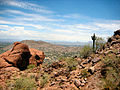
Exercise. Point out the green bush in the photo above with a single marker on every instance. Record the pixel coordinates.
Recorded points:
(71, 63)
(43, 80)
(111, 76)
(100, 42)
(86, 51)
(2, 51)
(84, 73)
(24, 84)
(1, 88)
(31, 66)
(73, 68)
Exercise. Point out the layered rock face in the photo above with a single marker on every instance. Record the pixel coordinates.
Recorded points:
(21, 56)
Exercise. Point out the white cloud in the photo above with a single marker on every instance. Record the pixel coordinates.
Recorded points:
(21, 33)
(108, 26)
(25, 5)
(59, 32)
(56, 34)
(78, 27)
(92, 26)
(4, 27)
(18, 23)
(64, 31)
(28, 16)
(17, 33)
(71, 16)
(38, 26)
(51, 29)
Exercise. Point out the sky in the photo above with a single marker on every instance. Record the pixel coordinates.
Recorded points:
(58, 20)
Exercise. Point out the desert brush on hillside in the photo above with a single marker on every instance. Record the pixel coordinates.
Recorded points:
(97, 71)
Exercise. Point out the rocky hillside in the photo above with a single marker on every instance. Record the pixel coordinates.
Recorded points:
(45, 46)
(51, 51)
(100, 71)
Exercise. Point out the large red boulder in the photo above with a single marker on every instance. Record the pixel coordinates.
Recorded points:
(21, 56)
(4, 64)
(37, 57)
(17, 57)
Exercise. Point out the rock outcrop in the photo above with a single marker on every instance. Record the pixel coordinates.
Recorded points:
(21, 56)
(37, 57)
(17, 57)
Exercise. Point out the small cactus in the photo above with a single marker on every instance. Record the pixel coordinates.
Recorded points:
(93, 38)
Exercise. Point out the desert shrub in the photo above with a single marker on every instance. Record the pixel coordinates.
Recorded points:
(111, 73)
(24, 84)
(1, 88)
(71, 63)
(2, 51)
(73, 68)
(100, 42)
(86, 51)
(43, 80)
(31, 66)
(84, 73)
(61, 58)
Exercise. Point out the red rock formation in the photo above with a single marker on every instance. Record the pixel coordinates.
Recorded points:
(17, 57)
(21, 56)
(37, 57)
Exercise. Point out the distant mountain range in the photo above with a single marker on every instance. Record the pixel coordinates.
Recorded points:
(74, 44)
(46, 46)
(63, 43)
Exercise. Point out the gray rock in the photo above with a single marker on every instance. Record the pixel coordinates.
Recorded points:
(53, 83)
(77, 83)
(82, 84)
(95, 60)
(108, 51)
(85, 79)
(86, 61)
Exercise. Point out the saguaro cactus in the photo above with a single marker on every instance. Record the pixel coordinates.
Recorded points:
(93, 38)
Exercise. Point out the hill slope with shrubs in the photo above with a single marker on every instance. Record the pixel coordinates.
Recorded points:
(96, 71)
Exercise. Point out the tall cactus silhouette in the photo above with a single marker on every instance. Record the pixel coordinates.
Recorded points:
(93, 38)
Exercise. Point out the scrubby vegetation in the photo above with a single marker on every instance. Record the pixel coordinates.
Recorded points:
(2, 45)
(71, 63)
(83, 70)
(86, 51)
(100, 42)
(43, 80)
(23, 83)
(84, 73)
(111, 72)
(31, 66)
(2, 51)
